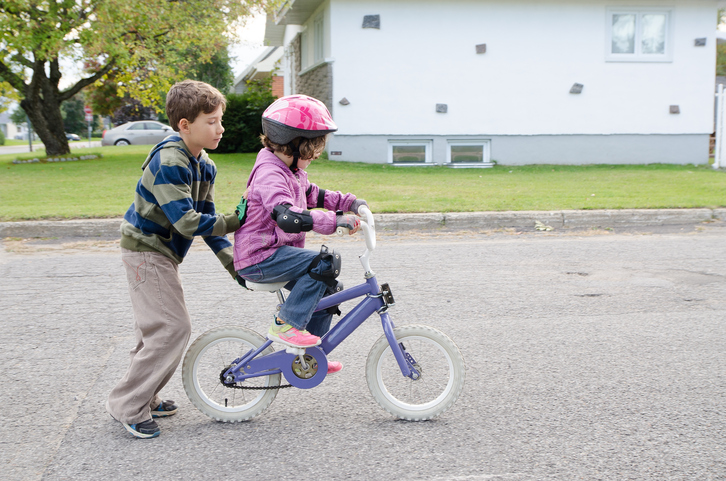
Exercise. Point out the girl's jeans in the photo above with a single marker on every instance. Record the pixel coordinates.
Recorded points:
(291, 264)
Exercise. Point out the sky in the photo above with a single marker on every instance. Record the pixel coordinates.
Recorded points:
(250, 45)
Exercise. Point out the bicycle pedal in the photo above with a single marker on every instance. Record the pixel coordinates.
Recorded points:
(298, 351)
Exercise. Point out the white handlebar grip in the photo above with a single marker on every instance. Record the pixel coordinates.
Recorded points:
(368, 215)
(342, 231)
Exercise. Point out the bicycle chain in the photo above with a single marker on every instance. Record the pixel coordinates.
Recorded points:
(249, 388)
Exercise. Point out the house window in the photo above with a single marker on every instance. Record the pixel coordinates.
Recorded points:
(468, 153)
(409, 152)
(318, 39)
(638, 35)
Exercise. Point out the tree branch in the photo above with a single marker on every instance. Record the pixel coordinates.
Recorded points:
(12, 78)
(86, 81)
(55, 73)
(23, 61)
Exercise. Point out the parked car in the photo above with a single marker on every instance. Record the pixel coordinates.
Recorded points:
(24, 136)
(142, 132)
(72, 137)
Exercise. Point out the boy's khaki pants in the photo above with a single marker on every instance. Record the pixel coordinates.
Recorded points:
(162, 326)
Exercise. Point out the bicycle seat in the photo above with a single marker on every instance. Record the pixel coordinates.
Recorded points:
(268, 286)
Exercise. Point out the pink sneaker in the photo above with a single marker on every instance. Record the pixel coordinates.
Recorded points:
(288, 335)
(334, 366)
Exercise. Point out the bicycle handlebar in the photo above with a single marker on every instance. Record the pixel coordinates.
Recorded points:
(368, 226)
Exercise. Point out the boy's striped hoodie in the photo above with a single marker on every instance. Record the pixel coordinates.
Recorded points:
(174, 202)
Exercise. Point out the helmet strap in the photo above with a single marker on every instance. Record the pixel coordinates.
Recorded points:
(295, 157)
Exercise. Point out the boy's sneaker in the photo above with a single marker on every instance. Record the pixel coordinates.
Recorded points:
(145, 430)
(334, 366)
(288, 335)
(166, 408)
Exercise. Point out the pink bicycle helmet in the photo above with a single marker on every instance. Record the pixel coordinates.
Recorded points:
(296, 116)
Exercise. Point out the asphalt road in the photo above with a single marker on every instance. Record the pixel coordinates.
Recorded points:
(40, 148)
(589, 356)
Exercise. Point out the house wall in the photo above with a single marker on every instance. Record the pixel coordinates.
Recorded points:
(8, 128)
(517, 94)
(318, 83)
(311, 72)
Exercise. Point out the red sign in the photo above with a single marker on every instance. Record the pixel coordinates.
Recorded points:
(87, 109)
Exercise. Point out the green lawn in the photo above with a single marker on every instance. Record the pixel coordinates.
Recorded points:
(104, 187)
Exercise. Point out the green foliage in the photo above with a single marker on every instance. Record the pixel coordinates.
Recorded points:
(216, 71)
(721, 59)
(2, 138)
(243, 118)
(103, 97)
(143, 40)
(18, 117)
(7, 95)
(74, 118)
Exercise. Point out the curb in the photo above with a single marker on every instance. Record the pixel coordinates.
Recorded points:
(392, 223)
(565, 219)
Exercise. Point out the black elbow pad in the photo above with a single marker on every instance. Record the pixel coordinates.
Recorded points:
(290, 221)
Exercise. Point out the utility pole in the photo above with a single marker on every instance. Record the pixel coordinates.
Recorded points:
(30, 133)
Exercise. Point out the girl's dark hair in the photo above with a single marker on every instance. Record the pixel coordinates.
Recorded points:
(308, 148)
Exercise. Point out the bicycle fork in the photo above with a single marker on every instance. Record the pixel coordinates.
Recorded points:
(405, 361)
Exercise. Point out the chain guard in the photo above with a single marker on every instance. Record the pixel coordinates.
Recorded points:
(248, 388)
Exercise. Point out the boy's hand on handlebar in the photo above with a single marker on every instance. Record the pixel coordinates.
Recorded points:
(357, 205)
(349, 222)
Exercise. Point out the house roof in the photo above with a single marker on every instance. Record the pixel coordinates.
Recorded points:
(264, 64)
(291, 12)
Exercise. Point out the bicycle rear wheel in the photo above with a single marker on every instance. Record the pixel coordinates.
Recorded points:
(437, 359)
(211, 353)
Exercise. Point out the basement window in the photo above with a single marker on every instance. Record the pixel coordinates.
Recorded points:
(468, 153)
(409, 152)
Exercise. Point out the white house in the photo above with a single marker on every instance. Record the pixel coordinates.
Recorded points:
(8, 128)
(461, 82)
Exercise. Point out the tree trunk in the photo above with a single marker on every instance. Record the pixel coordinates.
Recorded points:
(47, 122)
(43, 99)
(42, 104)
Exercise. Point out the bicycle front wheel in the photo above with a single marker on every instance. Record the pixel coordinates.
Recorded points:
(205, 360)
(436, 358)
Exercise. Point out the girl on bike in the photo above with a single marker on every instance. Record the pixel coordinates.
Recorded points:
(269, 247)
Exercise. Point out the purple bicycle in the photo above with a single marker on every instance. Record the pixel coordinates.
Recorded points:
(414, 372)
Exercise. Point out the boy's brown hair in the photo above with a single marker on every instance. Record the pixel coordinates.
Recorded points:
(189, 98)
(308, 148)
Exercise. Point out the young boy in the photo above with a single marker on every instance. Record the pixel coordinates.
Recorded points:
(174, 202)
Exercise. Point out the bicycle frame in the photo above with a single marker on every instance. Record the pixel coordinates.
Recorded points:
(374, 302)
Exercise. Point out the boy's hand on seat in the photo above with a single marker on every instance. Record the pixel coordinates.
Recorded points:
(350, 222)
(357, 204)
(241, 210)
